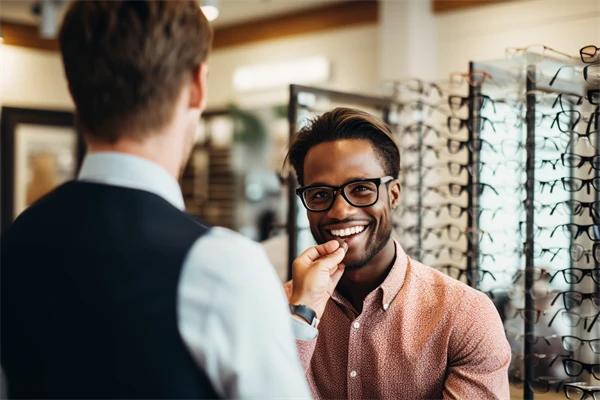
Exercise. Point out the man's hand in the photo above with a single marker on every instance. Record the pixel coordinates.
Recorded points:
(316, 273)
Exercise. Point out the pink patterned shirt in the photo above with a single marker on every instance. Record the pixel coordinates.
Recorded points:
(421, 335)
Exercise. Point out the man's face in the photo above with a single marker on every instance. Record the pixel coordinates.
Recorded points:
(334, 164)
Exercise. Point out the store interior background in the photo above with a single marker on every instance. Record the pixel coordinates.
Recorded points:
(388, 40)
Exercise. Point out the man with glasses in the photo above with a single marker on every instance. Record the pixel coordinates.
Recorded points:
(369, 321)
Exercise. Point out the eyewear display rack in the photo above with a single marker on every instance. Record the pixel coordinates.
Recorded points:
(533, 81)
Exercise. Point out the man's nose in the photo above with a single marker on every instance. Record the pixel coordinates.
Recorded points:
(340, 209)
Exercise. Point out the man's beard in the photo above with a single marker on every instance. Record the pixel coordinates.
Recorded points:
(373, 247)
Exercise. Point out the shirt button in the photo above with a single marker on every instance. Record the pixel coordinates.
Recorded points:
(353, 374)
(386, 306)
(356, 325)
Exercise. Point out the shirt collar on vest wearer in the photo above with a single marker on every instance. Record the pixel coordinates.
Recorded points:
(391, 285)
(133, 172)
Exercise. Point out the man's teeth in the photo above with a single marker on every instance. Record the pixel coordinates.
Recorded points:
(347, 231)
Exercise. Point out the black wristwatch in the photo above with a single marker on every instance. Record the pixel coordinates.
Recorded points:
(306, 313)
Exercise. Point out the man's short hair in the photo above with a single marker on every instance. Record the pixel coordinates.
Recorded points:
(127, 61)
(345, 123)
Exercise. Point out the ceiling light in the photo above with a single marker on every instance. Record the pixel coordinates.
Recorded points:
(210, 9)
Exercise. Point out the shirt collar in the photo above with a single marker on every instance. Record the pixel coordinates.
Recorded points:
(127, 170)
(395, 280)
(391, 285)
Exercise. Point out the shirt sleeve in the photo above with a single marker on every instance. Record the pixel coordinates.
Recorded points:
(479, 354)
(305, 335)
(234, 319)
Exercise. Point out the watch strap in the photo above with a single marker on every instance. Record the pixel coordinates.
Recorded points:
(306, 313)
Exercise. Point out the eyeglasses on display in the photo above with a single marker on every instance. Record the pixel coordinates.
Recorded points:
(533, 54)
(530, 337)
(472, 276)
(455, 124)
(577, 252)
(576, 275)
(590, 54)
(576, 368)
(529, 315)
(591, 72)
(573, 319)
(457, 102)
(573, 299)
(537, 292)
(457, 190)
(474, 78)
(581, 391)
(573, 343)
(576, 230)
(576, 207)
(536, 274)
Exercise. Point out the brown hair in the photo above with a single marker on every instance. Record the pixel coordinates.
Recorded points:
(345, 123)
(126, 62)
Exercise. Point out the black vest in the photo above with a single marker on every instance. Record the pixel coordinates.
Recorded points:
(89, 280)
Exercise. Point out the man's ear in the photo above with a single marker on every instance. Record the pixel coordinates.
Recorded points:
(394, 191)
(199, 87)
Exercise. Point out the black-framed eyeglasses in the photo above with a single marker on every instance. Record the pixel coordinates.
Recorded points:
(567, 101)
(576, 207)
(590, 54)
(577, 392)
(573, 299)
(593, 96)
(576, 184)
(575, 368)
(566, 120)
(457, 102)
(576, 230)
(359, 193)
(455, 124)
(591, 73)
(475, 145)
(576, 275)
(572, 160)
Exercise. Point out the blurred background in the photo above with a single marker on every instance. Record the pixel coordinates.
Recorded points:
(235, 177)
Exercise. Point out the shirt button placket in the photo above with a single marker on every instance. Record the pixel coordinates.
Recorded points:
(354, 380)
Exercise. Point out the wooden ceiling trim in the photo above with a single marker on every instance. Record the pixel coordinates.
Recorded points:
(450, 5)
(337, 15)
(15, 34)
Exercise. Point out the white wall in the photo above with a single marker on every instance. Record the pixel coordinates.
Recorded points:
(35, 78)
(32, 79)
(478, 34)
(353, 53)
(484, 33)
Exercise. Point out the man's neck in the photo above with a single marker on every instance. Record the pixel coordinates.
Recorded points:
(154, 150)
(355, 286)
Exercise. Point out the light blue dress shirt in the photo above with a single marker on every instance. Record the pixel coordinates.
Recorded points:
(232, 310)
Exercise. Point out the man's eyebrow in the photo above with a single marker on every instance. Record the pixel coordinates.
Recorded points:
(352, 179)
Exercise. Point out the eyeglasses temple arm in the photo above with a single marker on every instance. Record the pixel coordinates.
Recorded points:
(552, 320)
(589, 329)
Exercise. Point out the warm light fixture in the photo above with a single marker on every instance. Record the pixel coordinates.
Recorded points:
(269, 76)
(210, 9)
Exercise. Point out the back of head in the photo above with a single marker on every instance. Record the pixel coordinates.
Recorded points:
(340, 124)
(127, 61)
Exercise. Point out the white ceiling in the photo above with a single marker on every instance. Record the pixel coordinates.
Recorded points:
(230, 11)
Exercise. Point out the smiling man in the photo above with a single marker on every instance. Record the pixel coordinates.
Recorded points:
(369, 321)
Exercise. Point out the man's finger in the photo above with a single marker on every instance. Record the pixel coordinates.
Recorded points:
(332, 260)
(314, 253)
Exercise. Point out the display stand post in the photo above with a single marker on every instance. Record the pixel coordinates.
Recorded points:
(529, 255)
(474, 180)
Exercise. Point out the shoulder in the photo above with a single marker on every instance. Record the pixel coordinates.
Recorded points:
(455, 296)
(222, 255)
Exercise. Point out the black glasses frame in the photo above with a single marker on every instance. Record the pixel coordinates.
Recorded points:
(340, 189)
